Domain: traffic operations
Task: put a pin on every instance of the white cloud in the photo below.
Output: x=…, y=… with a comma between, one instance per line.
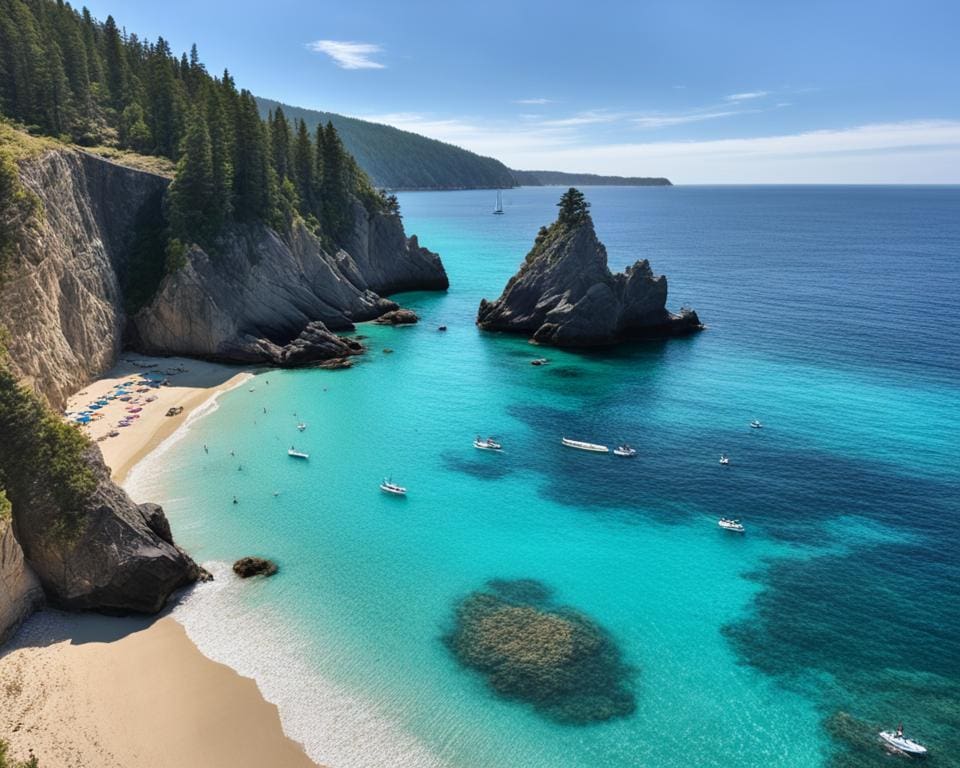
x=540, y=101
x=747, y=95
x=664, y=121
x=919, y=151
x=348, y=55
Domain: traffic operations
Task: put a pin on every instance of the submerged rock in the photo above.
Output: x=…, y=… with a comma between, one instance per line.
x=398, y=317
x=552, y=657
x=565, y=294
x=246, y=567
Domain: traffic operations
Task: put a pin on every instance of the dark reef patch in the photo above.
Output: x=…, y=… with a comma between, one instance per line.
x=486, y=467
x=552, y=657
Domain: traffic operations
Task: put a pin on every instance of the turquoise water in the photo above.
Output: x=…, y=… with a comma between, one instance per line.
x=830, y=314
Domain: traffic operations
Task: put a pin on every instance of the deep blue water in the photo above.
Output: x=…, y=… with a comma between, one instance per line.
x=832, y=318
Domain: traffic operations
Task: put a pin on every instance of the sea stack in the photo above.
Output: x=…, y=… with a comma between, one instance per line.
x=565, y=294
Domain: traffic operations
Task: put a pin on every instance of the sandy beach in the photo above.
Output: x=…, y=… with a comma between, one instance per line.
x=86, y=690
x=150, y=387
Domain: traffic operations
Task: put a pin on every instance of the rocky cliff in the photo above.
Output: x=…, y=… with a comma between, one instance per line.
x=565, y=295
x=60, y=299
x=20, y=592
x=259, y=291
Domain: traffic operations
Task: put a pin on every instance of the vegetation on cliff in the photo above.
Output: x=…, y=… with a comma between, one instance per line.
x=64, y=74
x=40, y=455
x=549, y=656
x=17, y=205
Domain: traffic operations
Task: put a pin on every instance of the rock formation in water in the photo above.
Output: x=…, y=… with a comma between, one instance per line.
x=551, y=657
x=246, y=567
x=109, y=554
x=565, y=294
x=398, y=317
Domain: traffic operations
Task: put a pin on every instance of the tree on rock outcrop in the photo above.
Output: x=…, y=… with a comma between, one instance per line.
x=191, y=197
x=574, y=208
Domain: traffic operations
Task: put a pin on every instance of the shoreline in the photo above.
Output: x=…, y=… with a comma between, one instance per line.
x=83, y=689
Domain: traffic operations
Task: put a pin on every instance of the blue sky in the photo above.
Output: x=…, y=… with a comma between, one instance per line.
x=702, y=92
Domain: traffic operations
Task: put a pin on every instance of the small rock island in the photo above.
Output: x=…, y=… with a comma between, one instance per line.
x=565, y=294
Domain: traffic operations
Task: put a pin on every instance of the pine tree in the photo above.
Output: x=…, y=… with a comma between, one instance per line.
x=115, y=61
x=191, y=197
x=280, y=144
x=303, y=168
x=335, y=192
x=574, y=208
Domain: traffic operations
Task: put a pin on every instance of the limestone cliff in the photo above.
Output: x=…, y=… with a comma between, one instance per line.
x=60, y=299
x=565, y=295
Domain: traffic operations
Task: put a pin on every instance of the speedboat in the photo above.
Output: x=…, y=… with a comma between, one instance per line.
x=731, y=525
x=387, y=486
x=756, y=424
x=901, y=743
x=724, y=459
x=487, y=445
x=580, y=445
x=301, y=426
x=624, y=450
x=297, y=454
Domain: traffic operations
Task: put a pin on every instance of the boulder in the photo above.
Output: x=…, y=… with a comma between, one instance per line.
x=110, y=555
x=398, y=317
x=314, y=344
x=246, y=567
x=565, y=295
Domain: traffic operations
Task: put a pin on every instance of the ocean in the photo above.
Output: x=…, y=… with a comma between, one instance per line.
x=831, y=315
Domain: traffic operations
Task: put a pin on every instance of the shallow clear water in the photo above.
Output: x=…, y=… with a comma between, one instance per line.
x=831, y=316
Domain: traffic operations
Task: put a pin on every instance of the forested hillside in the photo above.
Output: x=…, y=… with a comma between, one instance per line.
x=67, y=75
x=563, y=179
x=398, y=159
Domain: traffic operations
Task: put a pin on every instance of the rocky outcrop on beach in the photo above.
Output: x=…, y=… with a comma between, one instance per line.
x=108, y=555
x=246, y=567
x=20, y=591
x=552, y=657
x=565, y=295
x=65, y=295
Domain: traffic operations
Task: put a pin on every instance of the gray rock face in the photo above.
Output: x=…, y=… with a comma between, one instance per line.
x=122, y=559
x=565, y=295
x=20, y=591
x=261, y=291
x=61, y=298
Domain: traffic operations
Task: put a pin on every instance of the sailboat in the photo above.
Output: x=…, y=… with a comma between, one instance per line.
x=499, y=209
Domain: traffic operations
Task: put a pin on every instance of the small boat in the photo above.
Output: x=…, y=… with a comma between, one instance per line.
x=731, y=525
x=297, y=454
x=388, y=486
x=441, y=327
x=539, y=361
x=487, y=445
x=901, y=743
x=498, y=211
x=580, y=445
x=756, y=424
x=624, y=450
x=301, y=426
x=724, y=459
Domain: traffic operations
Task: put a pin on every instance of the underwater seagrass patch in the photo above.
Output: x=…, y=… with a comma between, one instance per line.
x=552, y=657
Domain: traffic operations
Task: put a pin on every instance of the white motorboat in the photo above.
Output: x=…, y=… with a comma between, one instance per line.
x=297, y=454
x=724, y=459
x=756, y=424
x=731, y=525
x=301, y=426
x=487, y=445
x=625, y=451
x=387, y=486
x=901, y=743
x=580, y=445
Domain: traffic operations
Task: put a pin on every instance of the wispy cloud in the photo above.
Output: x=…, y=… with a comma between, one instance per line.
x=747, y=95
x=540, y=101
x=348, y=55
x=665, y=121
